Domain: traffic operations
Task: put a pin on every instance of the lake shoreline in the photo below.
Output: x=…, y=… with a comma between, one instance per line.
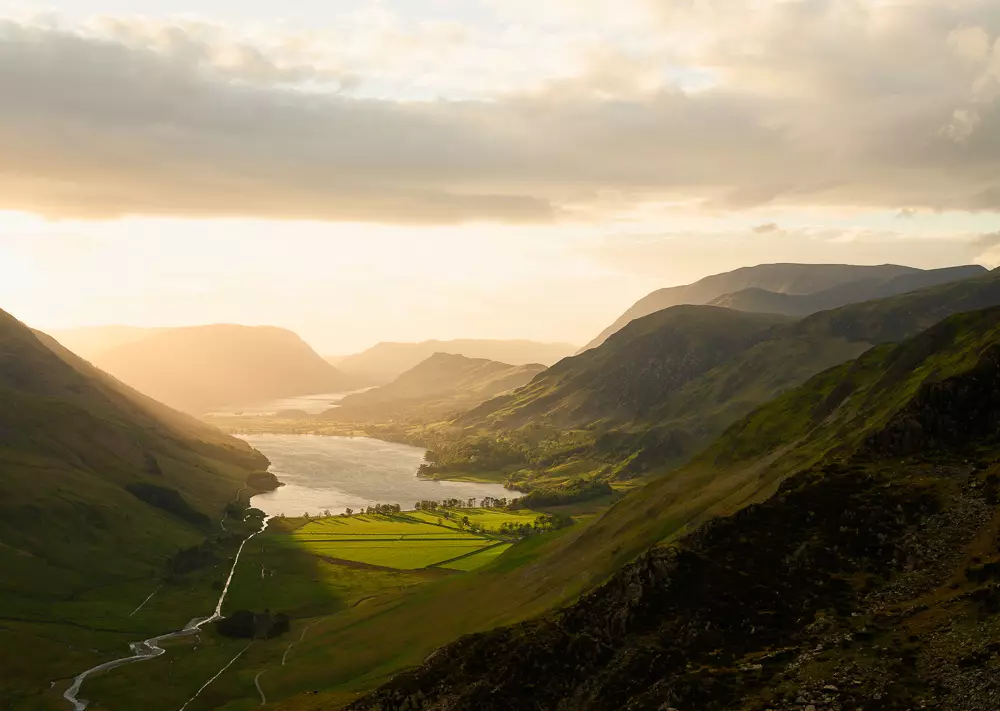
x=324, y=473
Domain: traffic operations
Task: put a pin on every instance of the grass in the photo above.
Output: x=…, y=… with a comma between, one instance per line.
x=410, y=541
x=478, y=560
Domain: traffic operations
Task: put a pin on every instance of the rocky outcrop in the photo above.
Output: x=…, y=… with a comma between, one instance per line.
x=946, y=414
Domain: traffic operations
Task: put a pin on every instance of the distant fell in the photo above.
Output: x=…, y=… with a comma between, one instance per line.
x=90, y=341
x=199, y=368
x=443, y=384
x=632, y=373
x=764, y=301
x=789, y=280
x=384, y=362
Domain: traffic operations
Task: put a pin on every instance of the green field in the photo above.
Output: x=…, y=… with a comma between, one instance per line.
x=409, y=541
x=477, y=560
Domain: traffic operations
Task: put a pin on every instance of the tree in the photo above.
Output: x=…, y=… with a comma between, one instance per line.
x=349, y=511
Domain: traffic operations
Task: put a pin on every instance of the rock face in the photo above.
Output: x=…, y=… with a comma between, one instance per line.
x=705, y=623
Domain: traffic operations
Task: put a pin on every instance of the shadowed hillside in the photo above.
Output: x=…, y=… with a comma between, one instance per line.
x=766, y=283
x=101, y=488
x=199, y=368
x=387, y=361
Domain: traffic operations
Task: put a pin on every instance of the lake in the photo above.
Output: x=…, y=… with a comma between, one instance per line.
x=310, y=404
x=335, y=473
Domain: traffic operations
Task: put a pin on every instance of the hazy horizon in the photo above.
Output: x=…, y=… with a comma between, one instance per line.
x=401, y=170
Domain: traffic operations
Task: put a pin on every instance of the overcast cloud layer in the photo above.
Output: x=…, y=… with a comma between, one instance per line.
x=550, y=115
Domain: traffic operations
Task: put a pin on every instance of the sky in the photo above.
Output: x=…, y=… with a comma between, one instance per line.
x=362, y=171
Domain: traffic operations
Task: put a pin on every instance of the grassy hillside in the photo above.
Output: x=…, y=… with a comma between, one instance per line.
x=440, y=386
x=599, y=415
x=385, y=362
x=101, y=488
x=866, y=571
x=637, y=369
x=764, y=301
x=204, y=367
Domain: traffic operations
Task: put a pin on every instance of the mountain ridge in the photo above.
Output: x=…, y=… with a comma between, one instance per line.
x=782, y=278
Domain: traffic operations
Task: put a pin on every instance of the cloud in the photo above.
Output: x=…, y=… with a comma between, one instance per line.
x=765, y=228
x=807, y=103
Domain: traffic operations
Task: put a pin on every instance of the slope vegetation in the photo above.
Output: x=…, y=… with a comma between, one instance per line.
x=863, y=569
x=769, y=281
x=204, y=367
x=644, y=427
x=101, y=488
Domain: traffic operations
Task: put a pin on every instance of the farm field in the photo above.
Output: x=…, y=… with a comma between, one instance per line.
x=478, y=559
x=409, y=541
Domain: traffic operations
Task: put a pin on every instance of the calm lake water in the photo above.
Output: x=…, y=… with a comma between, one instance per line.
x=338, y=472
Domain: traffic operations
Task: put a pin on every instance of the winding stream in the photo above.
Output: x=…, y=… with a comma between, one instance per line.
x=150, y=648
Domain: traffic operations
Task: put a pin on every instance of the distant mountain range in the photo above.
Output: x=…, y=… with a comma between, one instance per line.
x=385, y=362
x=199, y=368
x=444, y=384
x=792, y=289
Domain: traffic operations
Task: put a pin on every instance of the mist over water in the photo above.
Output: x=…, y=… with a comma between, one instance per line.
x=335, y=473
x=309, y=404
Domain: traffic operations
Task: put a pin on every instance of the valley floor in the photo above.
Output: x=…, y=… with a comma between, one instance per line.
x=327, y=574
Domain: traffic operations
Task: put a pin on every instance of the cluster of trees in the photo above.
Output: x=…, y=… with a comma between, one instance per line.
x=169, y=500
x=487, y=502
x=570, y=493
x=545, y=522
x=482, y=454
x=245, y=624
x=375, y=510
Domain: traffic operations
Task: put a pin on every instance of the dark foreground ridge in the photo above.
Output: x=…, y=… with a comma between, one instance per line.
x=867, y=581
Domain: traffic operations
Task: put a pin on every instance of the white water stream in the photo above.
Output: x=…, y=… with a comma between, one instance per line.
x=150, y=648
